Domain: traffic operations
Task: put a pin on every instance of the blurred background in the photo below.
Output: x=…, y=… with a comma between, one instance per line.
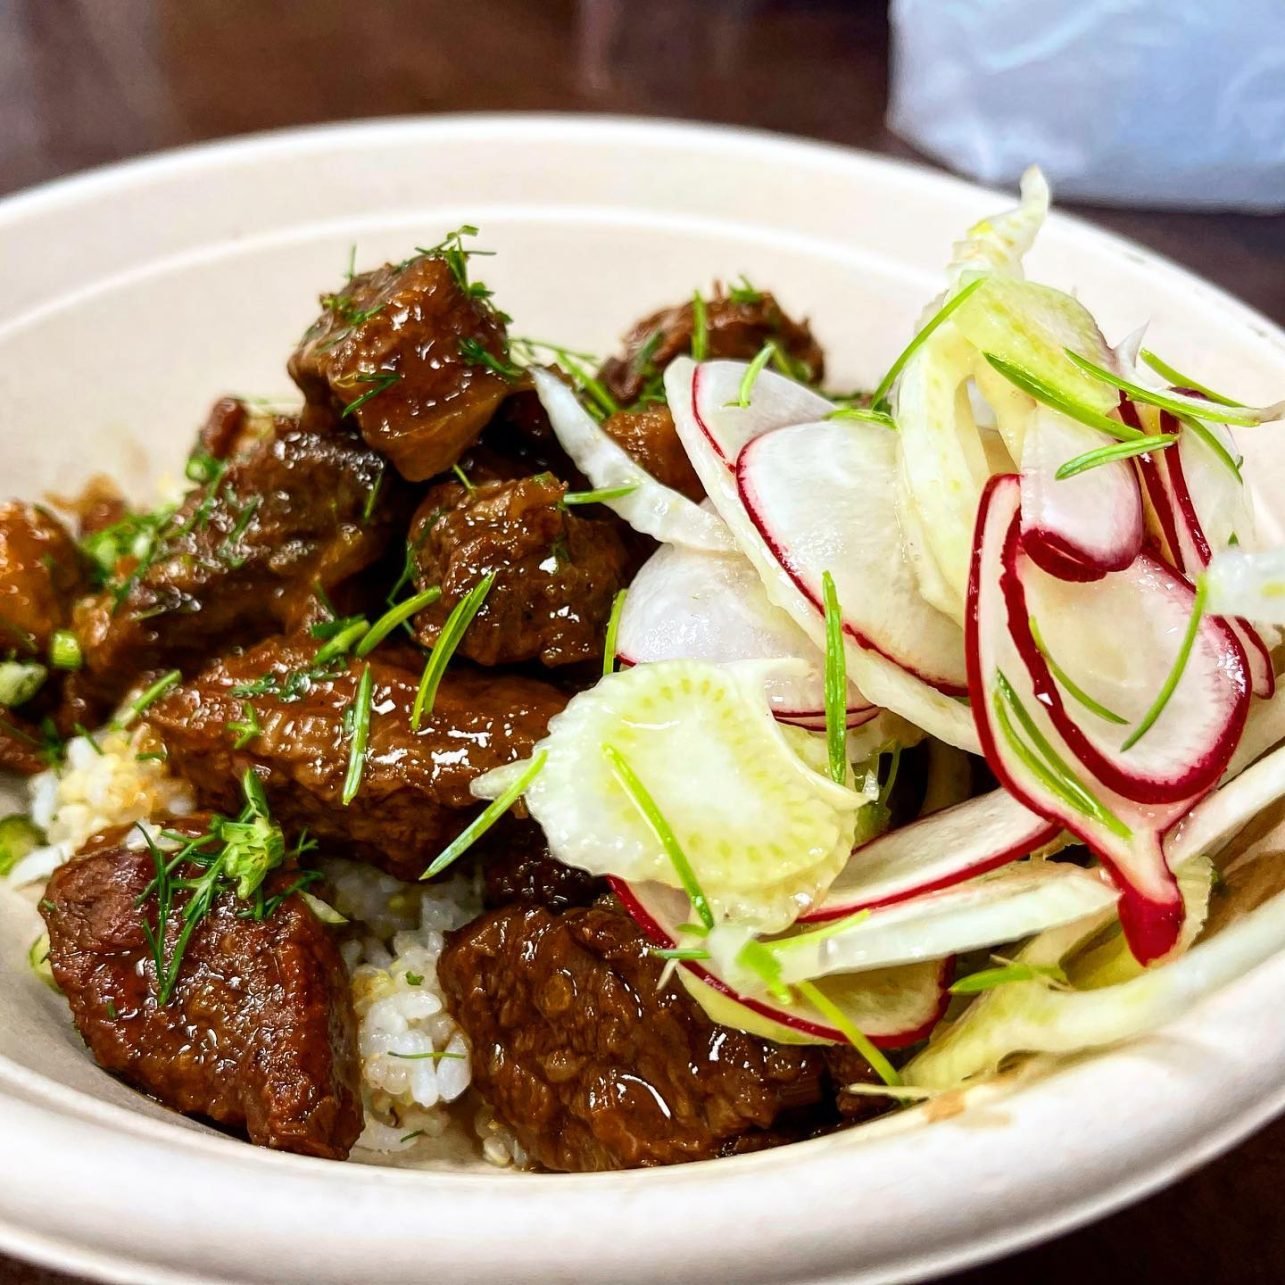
x=1140, y=103
x=1139, y=109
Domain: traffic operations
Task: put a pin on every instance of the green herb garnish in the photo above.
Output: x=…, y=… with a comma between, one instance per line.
x=450, y=637
x=836, y=683
x=613, y=632
x=141, y=704
x=1073, y=689
x=360, y=735
x=989, y=978
x=600, y=496
x=487, y=818
x=863, y=415
x=19, y=835
x=1208, y=437
x=20, y=680
x=394, y=617
x=234, y=537
x=1116, y=451
x=1179, y=380
x=700, y=328
x=372, y=496
x=750, y=378
x=414, y=979
x=476, y=355
x=744, y=292
x=247, y=728
x=463, y=478
x=427, y=1057
x=379, y=381
x=642, y=800
x=844, y=1024
x=1033, y=386
x=64, y=650
x=341, y=641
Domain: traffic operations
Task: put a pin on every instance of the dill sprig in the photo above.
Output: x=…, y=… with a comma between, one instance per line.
x=379, y=381
x=1116, y=451
x=450, y=637
x=357, y=721
x=476, y=355
x=613, y=632
x=836, y=683
x=1055, y=398
x=600, y=496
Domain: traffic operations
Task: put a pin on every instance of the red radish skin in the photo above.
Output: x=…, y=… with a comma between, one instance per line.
x=655, y=932
x=1152, y=920
x=1047, y=552
x=714, y=384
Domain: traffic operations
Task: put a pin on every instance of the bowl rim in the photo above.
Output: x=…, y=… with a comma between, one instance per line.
x=32, y=1109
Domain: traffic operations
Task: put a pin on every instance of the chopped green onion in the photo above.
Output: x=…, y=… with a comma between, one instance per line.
x=941, y=315
x=247, y=728
x=745, y=292
x=700, y=328
x=1073, y=689
x=20, y=680
x=814, y=935
x=18, y=836
x=424, y=1057
x=464, y=478
x=1166, y=401
x=340, y=643
x=752, y=372
x=487, y=818
x=1116, y=451
x=360, y=736
x=988, y=978
x=587, y=383
x=863, y=415
x=836, y=683
x=828, y=1008
x=641, y=798
x=600, y=496
x=1179, y=380
x=202, y=468
x=613, y=632
x=759, y=958
x=379, y=380
x=1176, y=671
x=414, y=979
x=149, y=698
x=1045, y=762
x=64, y=650
x=452, y=633
x=1211, y=441
x=680, y=952
x=1033, y=386
x=391, y=619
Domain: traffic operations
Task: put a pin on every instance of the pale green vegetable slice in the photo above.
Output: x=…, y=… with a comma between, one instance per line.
x=762, y=827
x=999, y=243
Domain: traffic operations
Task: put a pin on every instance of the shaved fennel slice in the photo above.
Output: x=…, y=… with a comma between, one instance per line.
x=761, y=825
x=880, y=681
x=1243, y=583
x=999, y=243
x=1029, y=1017
x=1215, y=820
x=685, y=604
x=999, y=907
x=650, y=507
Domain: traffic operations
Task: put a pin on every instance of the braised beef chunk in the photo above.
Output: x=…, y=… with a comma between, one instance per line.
x=556, y=571
x=287, y=716
x=847, y=1067
x=41, y=572
x=518, y=869
x=244, y=554
x=590, y=1062
x=259, y=1033
x=403, y=351
x=21, y=745
x=738, y=324
x=648, y=436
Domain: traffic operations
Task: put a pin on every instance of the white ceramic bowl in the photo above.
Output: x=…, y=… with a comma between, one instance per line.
x=134, y=295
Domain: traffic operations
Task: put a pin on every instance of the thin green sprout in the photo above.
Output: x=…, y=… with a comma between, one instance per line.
x=1179, y=380
x=434, y=1056
x=340, y=643
x=464, y=478
x=613, y=632
x=448, y=640
x=1033, y=386
x=1176, y=671
x=752, y=372
x=360, y=736
x=989, y=978
x=680, y=952
x=394, y=617
x=642, y=800
x=1220, y=451
x=863, y=415
x=487, y=818
x=824, y=933
x=836, y=683
x=148, y=698
x=1073, y=689
x=1117, y=451
x=700, y=328
x=829, y=1009
x=600, y=496
x=1241, y=416
x=942, y=315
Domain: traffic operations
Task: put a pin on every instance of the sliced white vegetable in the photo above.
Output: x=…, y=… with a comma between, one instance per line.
x=935, y=852
x=999, y=243
x=651, y=507
x=1264, y=729
x=1082, y=526
x=774, y=402
x=822, y=497
x=1248, y=584
x=762, y=826
x=880, y=682
x=1033, y=762
x=1119, y=638
x=1216, y=819
x=998, y=907
x=1029, y=1017
x=686, y=604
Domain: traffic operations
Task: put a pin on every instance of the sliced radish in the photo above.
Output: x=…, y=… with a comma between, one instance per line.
x=893, y=1007
x=822, y=497
x=1264, y=729
x=879, y=680
x=935, y=852
x=1119, y=637
x=1083, y=526
x=651, y=507
x=774, y=402
x=1124, y=835
x=999, y=907
x=762, y=826
x=687, y=604
x=1215, y=820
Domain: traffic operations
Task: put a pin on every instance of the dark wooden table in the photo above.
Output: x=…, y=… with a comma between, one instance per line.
x=83, y=82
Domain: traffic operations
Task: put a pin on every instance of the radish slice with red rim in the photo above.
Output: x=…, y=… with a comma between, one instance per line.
x=687, y=604
x=879, y=680
x=1080, y=527
x=822, y=497
x=1119, y=637
x=938, y=851
x=892, y=1007
x=650, y=507
x=1028, y=754
x=773, y=402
